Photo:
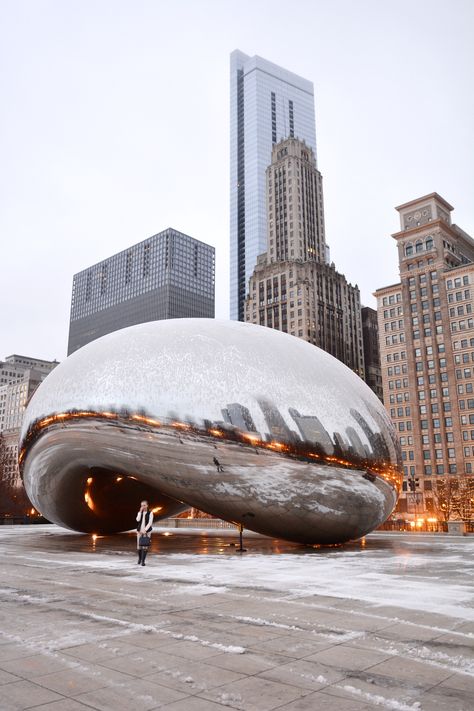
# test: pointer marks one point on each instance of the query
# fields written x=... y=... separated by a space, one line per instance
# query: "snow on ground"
x=341 y=575
x=433 y=575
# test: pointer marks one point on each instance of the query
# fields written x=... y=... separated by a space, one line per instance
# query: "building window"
x=291 y=118
x=273 y=105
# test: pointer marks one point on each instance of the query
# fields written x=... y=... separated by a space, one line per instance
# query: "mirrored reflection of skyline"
x=238 y=415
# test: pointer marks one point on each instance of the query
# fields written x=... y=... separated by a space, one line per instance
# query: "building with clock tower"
x=426 y=337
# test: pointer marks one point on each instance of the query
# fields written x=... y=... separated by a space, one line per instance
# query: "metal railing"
x=194 y=523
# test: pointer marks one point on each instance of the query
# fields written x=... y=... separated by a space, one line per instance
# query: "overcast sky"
x=114 y=124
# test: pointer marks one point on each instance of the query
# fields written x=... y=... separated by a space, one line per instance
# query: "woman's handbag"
x=144 y=541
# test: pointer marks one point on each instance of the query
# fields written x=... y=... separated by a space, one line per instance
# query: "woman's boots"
x=141 y=556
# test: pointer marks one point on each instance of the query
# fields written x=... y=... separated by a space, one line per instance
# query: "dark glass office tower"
x=169 y=275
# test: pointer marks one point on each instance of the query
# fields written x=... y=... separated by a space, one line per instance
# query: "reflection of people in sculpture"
x=219 y=466
x=144 y=528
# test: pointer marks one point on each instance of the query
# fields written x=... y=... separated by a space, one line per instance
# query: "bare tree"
x=454 y=498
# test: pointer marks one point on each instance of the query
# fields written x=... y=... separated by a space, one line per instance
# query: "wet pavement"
x=168 y=540
x=386 y=622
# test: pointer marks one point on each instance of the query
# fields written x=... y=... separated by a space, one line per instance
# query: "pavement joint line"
x=140 y=627
x=426 y=660
x=378 y=699
x=392 y=620
x=297 y=601
x=410 y=671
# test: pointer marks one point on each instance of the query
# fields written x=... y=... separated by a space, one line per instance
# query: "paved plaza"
x=387 y=622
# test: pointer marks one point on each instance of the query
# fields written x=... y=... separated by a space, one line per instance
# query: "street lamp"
x=413 y=485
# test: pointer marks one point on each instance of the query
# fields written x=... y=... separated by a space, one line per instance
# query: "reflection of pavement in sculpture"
x=144 y=412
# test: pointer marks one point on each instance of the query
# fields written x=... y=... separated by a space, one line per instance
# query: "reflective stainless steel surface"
x=243 y=422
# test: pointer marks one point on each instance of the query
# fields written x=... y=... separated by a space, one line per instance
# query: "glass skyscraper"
x=169 y=275
x=268 y=103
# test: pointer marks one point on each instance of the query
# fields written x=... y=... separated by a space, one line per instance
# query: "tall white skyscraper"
x=267 y=104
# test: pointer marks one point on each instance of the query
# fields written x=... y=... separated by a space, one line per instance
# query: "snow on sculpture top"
x=205 y=370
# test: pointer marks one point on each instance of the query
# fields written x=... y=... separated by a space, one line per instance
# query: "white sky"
x=114 y=124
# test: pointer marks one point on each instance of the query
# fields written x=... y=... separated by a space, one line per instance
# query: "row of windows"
x=431 y=379
x=425 y=305
x=396 y=356
x=427 y=332
x=462 y=325
x=436 y=422
x=439 y=454
x=465 y=373
x=456 y=283
x=464 y=358
x=390 y=313
x=460 y=311
x=440 y=469
x=397 y=369
x=397 y=384
x=429 y=350
x=422 y=278
x=433 y=393
x=436 y=301
x=393 y=325
x=399 y=397
x=434 y=408
x=419 y=246
x=425 y=439
x=430 y=364
x=465 y=343
x=394 y=298
x=419 y=265
x=395 y=339
x=459 y=295
x=400 y=412
x=426 y=318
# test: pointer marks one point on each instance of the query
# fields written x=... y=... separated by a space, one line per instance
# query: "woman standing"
x=144 y=528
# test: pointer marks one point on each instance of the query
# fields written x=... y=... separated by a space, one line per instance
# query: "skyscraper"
x=426 y=335
x=169 y=275
x=292 y=287
x=20 y=376
x=268 y=104
x=370 y=336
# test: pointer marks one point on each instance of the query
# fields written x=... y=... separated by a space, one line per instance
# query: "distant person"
x=219 y=466
x=144 y=528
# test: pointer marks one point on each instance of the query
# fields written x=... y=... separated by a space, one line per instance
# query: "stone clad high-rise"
x=426 y=335
x=19 y=378
x=267 y=104
x=293 y=288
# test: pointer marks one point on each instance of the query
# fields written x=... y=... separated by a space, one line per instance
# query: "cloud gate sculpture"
x=243 y=422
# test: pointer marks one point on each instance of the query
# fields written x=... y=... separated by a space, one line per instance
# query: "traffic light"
x=413 y=482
